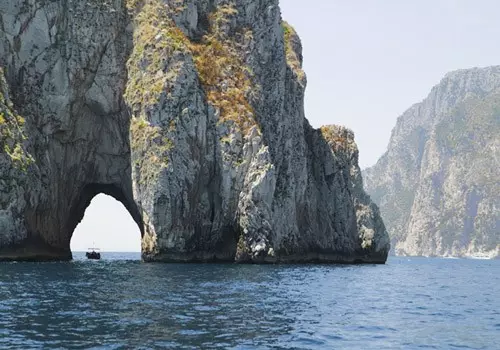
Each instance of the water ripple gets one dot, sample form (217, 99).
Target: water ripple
(115, 304)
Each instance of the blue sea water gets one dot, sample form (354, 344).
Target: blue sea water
(122, 303)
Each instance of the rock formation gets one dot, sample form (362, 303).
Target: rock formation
(438, 184)
(188, 112)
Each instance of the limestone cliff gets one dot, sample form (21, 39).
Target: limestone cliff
(438, 184)
(188, 112)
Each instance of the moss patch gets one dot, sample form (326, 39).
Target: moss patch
(222, 71)
(151, 148)
(335, 137)
(161, 50)
(224, 75)
(156, 39)
(292, 58)
(12, 130)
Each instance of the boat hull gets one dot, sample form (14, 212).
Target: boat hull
(93, 255)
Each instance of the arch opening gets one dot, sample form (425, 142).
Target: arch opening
(103, 217)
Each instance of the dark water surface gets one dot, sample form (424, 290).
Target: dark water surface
(119, 302)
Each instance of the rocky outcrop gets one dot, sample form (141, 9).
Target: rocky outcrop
(191, 114)
(438, 184)
(65, 63)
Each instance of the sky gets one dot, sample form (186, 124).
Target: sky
(367, 61)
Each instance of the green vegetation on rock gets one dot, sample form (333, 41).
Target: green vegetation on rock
(156, 39)
(338, 137)
(151, 148)
(11, 130)
(334, 139)
(224, 75)
(292, 57)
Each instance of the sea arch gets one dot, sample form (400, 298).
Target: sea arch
(108, 216)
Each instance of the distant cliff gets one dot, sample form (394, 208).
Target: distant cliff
(438, 184)
(188, 112)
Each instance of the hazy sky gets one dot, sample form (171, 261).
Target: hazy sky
(367, 62)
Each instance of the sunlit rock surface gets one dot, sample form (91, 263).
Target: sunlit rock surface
(438, 184)
(191, 114)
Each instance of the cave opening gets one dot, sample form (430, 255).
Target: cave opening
(104, 219)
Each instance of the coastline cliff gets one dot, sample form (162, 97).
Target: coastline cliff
(188, 112)
(438, 184)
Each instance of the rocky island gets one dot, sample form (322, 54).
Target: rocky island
(438, 184)
(191, 114)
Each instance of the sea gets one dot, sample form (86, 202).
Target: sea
(120, 302)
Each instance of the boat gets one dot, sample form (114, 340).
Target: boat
(93, 253)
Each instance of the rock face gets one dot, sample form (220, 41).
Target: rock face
(188, 112)
(438, 184)
(65, 64)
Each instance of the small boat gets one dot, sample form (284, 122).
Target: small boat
(93, 254)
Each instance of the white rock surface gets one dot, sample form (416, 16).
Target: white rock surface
(438, 184)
